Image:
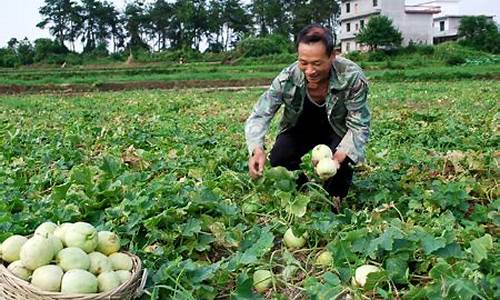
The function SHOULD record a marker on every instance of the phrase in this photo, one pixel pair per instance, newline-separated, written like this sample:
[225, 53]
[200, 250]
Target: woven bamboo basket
[14, 288]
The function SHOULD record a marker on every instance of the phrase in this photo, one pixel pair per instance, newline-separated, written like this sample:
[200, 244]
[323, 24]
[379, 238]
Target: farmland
[167, 171]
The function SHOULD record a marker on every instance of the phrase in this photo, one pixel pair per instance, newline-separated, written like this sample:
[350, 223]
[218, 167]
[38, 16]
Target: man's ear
[332, 56]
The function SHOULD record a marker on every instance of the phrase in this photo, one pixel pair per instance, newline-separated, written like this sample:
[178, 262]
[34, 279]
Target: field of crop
[92, 76]
[167, 171]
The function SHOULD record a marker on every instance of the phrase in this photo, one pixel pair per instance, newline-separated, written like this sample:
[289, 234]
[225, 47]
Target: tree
[25, 52]
[46, 47]
[237, 22]
[97, 17]
[160, 15]
[379, 32]
[135, 24]
[479, 32]
[215, 26]
[271, 17]
[58, 15]
[190, 22]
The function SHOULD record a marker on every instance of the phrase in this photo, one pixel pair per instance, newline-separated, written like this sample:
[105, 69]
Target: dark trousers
[291, 145]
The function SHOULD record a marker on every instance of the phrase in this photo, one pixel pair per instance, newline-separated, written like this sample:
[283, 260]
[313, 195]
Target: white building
[414, 21]
[446, 22]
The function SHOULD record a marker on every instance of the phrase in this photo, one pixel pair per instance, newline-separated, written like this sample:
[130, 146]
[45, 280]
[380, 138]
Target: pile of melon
[72, 258]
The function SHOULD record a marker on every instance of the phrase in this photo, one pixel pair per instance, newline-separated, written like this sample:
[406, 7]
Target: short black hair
[317, 33]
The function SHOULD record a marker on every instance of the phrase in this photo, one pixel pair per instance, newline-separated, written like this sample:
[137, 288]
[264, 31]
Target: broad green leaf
[244, 291]
[191, 227]
[480, 246]
[299, 205]
[440, 271]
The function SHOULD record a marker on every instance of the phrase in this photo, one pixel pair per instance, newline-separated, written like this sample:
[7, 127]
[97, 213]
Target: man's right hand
[256, 163]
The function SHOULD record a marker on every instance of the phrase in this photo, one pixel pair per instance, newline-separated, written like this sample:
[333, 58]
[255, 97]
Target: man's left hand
[339, 156]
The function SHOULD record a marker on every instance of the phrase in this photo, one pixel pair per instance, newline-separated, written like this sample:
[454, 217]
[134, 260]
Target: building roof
[359, 16]
[458, 16]
[418, 9]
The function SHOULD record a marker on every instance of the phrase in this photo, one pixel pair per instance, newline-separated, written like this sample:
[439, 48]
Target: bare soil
[135, 85]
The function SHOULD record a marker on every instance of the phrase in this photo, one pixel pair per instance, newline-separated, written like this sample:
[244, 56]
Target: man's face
[314, 62]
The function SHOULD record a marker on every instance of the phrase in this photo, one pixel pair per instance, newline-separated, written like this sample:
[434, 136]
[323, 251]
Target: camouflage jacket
[346, 106]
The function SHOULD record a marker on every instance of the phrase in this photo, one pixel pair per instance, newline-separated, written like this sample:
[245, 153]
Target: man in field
[325, 102]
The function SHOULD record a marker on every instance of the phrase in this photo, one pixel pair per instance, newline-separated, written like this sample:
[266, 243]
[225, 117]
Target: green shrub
[454, 59]
[8, 58]
[377, 55]
[447, 52]
[260, 46]
[357, 56]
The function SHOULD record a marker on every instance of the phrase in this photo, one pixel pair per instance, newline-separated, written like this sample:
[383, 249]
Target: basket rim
[137, 274]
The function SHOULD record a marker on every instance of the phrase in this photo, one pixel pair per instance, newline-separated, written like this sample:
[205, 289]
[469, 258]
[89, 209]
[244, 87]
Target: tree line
[161, 24]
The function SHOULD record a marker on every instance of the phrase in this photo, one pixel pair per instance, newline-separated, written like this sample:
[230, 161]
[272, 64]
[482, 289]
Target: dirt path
[136, 85]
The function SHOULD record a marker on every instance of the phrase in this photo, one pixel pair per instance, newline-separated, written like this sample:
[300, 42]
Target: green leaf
[479, 247]
[440, 271]
[82, 175]
[397, 267]
[257, 244]
[299, 205]
[197, 273]
[110, 165]
[449, 251]
[375, 279]
[331, 289]
[465, 289]
[244, 290]
[191, 227]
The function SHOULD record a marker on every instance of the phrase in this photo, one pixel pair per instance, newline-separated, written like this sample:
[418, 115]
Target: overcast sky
[18, 18]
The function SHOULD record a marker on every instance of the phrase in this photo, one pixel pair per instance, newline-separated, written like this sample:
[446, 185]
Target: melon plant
[73, 258]
[47, 278]
[99, 263]
[120, 261]
[361, 274]
[262, 280]
[81, 235]
[107, 281]
[11, 247]
[36, 252]
[107, 242]
[19, 270]
[78, 282]
[292, 241]
[324, 259]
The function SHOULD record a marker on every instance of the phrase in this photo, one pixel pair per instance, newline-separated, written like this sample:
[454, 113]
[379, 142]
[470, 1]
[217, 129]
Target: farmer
[325, 102]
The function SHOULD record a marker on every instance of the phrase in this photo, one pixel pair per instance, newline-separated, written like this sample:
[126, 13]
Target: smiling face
[315, 62]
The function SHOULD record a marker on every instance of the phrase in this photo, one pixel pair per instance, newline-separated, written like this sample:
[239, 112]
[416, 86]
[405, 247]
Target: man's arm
[357, 121]
[264, 110]
[258, 123]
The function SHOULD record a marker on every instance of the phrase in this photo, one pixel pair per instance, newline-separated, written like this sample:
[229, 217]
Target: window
[375, 3]
[348, 27]
[362, 24]
[348, 7]
[356, 26]
[441, 26]
[347, 47]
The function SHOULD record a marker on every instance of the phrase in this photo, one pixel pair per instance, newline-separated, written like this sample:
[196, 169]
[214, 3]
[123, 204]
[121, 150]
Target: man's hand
[256, 163]
[339, 156]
